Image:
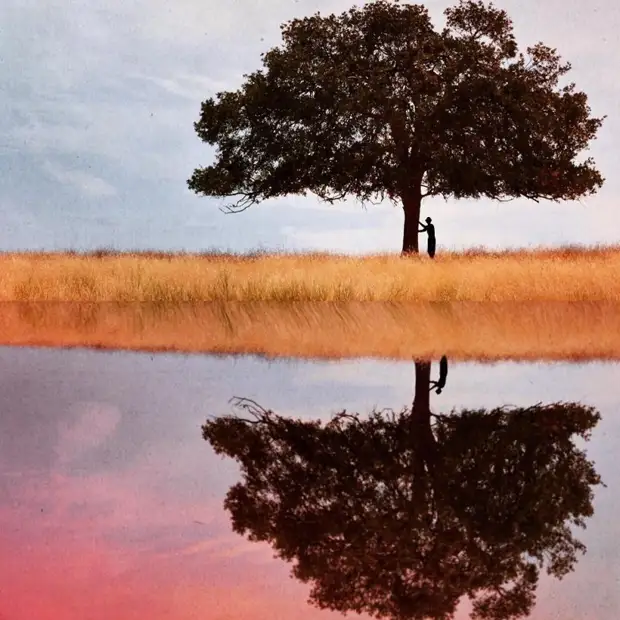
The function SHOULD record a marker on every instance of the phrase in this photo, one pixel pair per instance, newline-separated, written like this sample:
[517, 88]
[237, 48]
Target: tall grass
[564, 274]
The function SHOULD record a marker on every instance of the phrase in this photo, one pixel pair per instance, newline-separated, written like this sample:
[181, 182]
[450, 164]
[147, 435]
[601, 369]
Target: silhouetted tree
[376, 103]
[400, 515]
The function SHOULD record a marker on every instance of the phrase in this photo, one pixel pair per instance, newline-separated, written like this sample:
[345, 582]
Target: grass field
[565, 274]
[524, 331]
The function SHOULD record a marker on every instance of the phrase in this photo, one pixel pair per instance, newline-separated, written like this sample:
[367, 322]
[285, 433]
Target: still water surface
[111, 500]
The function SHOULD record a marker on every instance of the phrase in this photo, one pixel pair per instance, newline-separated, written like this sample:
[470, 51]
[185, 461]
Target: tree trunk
[411, 206]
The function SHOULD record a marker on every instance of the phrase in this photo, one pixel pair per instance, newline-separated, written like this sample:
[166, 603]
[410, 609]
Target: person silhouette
[429, 229]
[439, 385]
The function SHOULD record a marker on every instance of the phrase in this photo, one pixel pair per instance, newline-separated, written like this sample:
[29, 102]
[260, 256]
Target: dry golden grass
[566, 274]
[463, 330]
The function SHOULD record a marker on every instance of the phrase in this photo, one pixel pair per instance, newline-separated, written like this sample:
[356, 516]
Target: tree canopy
[401, 515]
[375, 103]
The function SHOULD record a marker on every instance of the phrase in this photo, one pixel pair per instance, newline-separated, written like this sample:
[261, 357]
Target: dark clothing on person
[439, 385]
[430, 247]
[429, 229]
[443, 370]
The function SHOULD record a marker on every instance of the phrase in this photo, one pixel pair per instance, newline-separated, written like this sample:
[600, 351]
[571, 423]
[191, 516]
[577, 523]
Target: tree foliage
[401, 517]
[376, 103]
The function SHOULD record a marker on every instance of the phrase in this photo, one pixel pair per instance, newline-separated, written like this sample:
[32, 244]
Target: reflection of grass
[461, 330]
[567, 274]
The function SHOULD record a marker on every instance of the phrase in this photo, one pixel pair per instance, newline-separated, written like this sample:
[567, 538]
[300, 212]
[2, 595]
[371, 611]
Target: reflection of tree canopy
[402, 514]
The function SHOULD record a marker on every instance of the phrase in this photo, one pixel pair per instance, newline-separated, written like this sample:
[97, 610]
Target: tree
[400, 516]
[376, 103]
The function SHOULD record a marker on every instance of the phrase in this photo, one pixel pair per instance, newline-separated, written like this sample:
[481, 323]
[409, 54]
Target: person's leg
[431, 249]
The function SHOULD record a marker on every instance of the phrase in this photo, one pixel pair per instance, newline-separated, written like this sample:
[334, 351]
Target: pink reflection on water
[132, 542]
[129, 543]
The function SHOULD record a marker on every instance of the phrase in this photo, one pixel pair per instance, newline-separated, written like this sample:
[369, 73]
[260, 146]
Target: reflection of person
[443, 375]
[429, 229]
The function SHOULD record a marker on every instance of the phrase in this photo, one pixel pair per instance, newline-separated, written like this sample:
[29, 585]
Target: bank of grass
[564, 274]
[526, 331]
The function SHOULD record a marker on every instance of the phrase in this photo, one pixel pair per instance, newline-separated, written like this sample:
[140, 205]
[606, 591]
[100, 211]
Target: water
[111, 501]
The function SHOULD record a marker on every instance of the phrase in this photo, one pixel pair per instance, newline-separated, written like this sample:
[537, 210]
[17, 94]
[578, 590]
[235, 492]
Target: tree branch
[251, 406]
[242, 204]
[332, 199]
[348, 416]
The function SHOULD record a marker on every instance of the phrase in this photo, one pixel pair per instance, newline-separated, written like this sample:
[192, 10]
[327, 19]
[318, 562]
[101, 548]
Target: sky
[111, 501]
[99, 98]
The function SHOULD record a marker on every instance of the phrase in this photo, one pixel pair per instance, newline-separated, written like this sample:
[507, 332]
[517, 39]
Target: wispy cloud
[87, 183]
[90, 425]
[192, 87]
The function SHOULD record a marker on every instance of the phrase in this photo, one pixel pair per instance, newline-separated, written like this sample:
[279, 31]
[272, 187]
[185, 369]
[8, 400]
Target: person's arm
[423, 229]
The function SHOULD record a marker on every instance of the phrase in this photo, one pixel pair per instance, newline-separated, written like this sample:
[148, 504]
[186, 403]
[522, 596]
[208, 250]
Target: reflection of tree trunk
[421, 412]
[421, 398]
[423, 439]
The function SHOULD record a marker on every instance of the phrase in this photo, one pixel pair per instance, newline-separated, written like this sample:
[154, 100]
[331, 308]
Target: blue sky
[99, 98]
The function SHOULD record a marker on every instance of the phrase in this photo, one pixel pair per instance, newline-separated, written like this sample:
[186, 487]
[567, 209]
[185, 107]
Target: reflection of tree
[402, 514]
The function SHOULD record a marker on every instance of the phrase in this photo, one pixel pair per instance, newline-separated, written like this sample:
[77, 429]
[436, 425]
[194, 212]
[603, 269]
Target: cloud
[91, 424]
[88, 184]
[227, 546]
[192, 87]
[187, 22]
